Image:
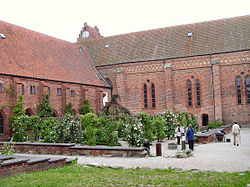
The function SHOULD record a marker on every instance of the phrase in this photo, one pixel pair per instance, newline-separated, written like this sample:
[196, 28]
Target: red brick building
[200, 68]
[32, 64]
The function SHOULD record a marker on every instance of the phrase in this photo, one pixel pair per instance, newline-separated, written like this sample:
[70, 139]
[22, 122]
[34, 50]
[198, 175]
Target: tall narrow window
[32, 89]
[59, 91]
[72, 93]
[48, 90]
[248, 89]
[189, 89]
[1, 123]
[153, 95]
[1, 87]
[22, 89]
[198, 93]
[145, 96]
[238, 88]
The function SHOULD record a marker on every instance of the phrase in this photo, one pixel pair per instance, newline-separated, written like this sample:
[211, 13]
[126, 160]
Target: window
[145, 96]
[189, 93]
[153, 95]
[1, 123]
[32, 89]
[1, 87]
[48, 90]
[238, 89]
[59, 91]
[22, 89]
[198, 93]
[248, 89]
[72, 93]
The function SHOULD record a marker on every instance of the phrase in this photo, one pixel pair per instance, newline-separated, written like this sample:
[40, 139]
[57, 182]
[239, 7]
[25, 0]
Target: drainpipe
[212, 78]
[165, 83]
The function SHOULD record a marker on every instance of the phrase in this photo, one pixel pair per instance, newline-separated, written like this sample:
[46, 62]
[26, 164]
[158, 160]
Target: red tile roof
[32, 54]
[218, 36]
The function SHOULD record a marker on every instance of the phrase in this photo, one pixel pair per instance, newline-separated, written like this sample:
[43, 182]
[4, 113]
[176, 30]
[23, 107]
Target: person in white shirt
[236, 133]
[178, 134]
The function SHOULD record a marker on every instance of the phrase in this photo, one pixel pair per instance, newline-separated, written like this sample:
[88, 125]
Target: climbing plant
[45, 109]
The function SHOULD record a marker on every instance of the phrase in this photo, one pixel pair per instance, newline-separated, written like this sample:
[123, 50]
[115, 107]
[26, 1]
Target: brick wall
[31, 101]
[170, 78]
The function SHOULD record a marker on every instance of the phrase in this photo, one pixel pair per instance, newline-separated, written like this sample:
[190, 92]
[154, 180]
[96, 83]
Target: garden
[113, 123]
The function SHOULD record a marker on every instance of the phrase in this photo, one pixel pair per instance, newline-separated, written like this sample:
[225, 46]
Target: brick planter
[72, 149]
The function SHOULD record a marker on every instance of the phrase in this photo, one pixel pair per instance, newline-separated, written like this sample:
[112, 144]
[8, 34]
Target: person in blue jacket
[190, 137]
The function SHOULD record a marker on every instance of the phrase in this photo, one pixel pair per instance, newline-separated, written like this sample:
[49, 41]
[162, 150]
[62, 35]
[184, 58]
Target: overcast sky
[64, 18]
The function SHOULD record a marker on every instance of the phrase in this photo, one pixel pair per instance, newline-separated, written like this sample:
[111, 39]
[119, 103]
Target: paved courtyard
[215, 156]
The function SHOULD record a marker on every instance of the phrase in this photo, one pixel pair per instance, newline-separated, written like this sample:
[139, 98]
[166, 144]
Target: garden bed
[73, 149]
[210, 136]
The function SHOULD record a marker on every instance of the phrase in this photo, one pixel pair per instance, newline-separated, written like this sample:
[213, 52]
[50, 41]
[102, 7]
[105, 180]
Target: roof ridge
[169, 27]
[37, 32]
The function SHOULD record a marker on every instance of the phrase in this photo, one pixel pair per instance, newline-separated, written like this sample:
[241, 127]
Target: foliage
[34, 127]
[147, 127]
[171, 120]
[68, 109]
[134, 133]
[158, 124]
[19, 127]
[18, 110]
[214, 125]
[89, 126]
[45, 109]
[48, 130]
[102, 176]
[7, 149]
[85, 107]
[107, 132]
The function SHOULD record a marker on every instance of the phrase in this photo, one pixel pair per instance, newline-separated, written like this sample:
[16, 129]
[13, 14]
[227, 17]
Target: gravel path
[216, 156]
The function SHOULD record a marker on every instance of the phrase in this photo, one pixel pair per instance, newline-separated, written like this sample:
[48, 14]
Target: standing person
[183, 139]
[178, 134]
[236, 133]
[190, 137]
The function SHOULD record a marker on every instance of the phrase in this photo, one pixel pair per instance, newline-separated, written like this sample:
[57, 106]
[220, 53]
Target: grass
[76, 175]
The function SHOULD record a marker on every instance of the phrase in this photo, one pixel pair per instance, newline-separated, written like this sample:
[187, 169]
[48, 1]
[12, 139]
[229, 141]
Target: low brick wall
[14, 165]
[72, 149]
[210, 136]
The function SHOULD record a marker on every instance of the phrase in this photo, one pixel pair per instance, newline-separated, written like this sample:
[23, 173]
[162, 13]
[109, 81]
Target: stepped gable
[31, 54]
[218, 36]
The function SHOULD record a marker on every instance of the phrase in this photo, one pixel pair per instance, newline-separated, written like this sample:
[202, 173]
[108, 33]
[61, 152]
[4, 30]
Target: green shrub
[215, 124]
[7, 149]
[134, 133]
[159, 124]
[85, 107]
[68, 109]
[45, 109]
[147, 127]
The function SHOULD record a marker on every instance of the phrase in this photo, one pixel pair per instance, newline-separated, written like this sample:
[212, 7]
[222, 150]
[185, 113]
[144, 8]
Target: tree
[85, 107]
[45, 109]
[18, 110]
[146, 121]
[68, 109]
[158, 124]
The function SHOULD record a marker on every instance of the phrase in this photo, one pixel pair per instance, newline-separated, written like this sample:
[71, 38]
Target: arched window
[238, 89]
[153, 95]
[189, 89]
[248, 89]
[198, 97]
[1, 123]
[145, 96]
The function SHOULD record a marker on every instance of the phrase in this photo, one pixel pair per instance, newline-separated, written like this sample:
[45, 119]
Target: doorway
[204, 119]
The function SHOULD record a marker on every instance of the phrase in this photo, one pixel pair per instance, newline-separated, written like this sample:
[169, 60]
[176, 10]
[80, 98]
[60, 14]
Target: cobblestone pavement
[215, 156]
